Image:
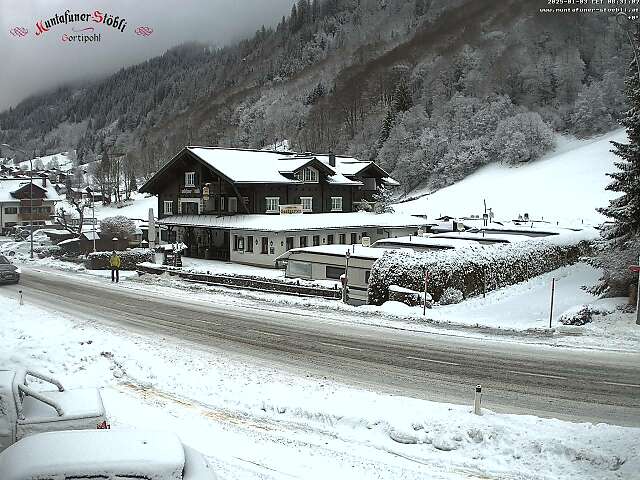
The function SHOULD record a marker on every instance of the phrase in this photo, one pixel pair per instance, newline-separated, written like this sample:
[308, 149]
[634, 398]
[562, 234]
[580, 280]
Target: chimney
[332, 158]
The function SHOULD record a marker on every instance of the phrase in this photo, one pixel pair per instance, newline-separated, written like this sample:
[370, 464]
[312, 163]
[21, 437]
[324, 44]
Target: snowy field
[565, 186]
[137, 208]
[259, 423]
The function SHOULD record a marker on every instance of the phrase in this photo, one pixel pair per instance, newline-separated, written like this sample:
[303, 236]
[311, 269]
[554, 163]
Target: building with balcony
[19, 207]
[250, 206]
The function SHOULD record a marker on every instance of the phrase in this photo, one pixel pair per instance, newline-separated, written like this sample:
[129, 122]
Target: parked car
[25, 410]
[103, 454]
[9, 273]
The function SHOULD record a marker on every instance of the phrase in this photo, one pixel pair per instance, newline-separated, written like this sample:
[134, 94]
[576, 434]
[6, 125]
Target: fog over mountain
[32, 64]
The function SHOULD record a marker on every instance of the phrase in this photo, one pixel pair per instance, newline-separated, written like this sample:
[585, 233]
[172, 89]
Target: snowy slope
[566, 186]
[64, 161]
[138, 208]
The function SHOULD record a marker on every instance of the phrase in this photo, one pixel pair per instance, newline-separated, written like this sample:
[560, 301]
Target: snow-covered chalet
[251, 206]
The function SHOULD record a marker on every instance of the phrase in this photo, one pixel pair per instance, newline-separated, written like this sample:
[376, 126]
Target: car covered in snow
[9, 273]
[25, 410]
[103, 454]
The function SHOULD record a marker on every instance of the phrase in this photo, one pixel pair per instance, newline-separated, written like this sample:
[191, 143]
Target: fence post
[638, 298]
[477, 400]
[553, 288]
[424, 303]
[21, 300]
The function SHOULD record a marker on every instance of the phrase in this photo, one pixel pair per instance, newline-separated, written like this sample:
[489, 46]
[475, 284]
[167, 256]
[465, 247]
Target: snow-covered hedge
[466, 269]
[128, 259]
[451, 296]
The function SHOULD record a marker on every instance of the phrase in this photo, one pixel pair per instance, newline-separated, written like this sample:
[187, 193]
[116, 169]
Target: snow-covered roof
[260, 166]
[91, 235]
[315, 221]
[246, 166]
[69, 241]
[9, 186]
[482, 237]
[81, 453]
[423, 243]
[355, 251]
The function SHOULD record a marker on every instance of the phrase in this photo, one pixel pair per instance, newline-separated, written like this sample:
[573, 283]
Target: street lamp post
[93, 222]
[30, 193]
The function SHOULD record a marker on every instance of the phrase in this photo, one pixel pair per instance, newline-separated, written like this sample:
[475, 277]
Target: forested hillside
[430, 89]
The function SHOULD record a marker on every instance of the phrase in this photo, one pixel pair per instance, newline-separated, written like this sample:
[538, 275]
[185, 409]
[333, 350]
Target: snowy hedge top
[133, 251]
[411, 258]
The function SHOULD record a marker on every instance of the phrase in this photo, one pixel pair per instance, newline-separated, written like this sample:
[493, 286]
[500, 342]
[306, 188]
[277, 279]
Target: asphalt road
[577, 385]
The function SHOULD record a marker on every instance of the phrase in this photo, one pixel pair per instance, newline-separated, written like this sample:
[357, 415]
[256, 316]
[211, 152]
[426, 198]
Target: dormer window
[308, 175]
[190, 179]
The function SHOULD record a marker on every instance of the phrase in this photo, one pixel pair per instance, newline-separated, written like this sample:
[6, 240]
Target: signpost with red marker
[636, 268]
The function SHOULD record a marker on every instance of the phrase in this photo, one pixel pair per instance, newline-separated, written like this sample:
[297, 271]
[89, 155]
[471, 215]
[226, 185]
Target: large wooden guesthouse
[250, 206]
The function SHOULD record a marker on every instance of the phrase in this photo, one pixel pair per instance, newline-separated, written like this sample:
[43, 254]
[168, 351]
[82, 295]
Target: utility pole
[345, 281]
[553, 289]
[93, 209]
[636, 268]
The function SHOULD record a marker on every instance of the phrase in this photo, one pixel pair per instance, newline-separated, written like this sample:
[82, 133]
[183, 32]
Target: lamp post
[30, 192]
[93, 210]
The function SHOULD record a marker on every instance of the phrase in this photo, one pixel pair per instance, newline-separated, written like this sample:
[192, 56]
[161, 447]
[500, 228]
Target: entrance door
[289, 243]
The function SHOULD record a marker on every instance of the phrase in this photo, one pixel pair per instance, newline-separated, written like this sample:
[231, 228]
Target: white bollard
[477, 400]
[21, 301]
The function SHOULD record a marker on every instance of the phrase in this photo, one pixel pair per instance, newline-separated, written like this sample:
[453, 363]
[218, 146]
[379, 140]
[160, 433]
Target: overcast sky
[31, 64]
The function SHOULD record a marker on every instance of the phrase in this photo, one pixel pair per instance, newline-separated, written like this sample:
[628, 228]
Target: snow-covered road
[560, 383]
[258, 421]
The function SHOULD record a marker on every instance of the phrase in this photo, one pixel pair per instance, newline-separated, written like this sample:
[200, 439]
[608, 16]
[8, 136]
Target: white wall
[277, 242]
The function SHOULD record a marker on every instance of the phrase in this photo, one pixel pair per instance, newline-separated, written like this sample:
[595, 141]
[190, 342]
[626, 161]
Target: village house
[18, 208]
[251, 206]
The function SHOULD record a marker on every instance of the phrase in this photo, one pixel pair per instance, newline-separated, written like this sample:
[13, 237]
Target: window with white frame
[168, 207]
[307, 204]
[308, 174]
[189, 179]
[273, 204]
[336, 204]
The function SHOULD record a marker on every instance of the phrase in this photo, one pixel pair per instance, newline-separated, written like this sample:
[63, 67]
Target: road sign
[635, 268]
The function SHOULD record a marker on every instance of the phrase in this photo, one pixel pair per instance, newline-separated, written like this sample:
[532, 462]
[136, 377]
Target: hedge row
[128, 259]
[468, 269]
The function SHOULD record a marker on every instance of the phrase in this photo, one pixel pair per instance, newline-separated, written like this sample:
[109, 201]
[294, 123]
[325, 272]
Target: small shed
[101, 244]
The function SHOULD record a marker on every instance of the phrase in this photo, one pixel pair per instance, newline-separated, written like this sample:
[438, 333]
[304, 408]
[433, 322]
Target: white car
[103, 454]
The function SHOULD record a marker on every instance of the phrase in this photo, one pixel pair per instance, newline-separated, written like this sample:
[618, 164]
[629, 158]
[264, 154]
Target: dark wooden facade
[250, 198]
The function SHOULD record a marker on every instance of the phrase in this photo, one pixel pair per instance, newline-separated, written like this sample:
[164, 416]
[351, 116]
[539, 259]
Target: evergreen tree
[620, 240]
[402, 100]
[383, 200]
[387, 125]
